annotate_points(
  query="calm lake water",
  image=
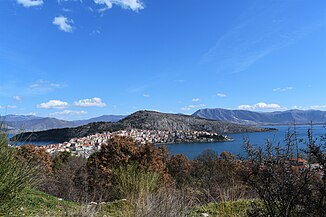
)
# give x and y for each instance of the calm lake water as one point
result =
(27, 142)
(236, 146)
(191, 150)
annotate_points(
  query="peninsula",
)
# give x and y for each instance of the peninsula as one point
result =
(142, 120)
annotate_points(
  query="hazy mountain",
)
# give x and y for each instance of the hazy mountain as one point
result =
(34, 123)
(15, 118)
(148, 120)
(265, 118)
(103, 118)
(39, 124)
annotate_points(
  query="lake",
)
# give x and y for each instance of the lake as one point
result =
(191, 150)
(27, 142)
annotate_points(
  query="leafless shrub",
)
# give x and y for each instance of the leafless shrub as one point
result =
(287, 186)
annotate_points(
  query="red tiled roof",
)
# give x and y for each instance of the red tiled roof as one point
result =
(301, 160)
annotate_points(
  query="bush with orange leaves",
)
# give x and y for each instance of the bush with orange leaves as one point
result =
(36, 157)
(121, 152)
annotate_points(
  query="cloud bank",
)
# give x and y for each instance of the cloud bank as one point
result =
(190, 107)
(259, 106)
(67, 113)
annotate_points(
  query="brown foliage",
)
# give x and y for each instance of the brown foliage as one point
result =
(180, 169)
(120, 152)
(36, 156)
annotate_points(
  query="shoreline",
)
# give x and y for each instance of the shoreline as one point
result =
(176, 143)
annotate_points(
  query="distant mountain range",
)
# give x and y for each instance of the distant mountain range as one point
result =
(146, 120)
(25, 123)
(264, 118)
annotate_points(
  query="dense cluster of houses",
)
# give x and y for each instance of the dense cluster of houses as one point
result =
(85, 146)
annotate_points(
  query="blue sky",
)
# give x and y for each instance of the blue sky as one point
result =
(75, 59)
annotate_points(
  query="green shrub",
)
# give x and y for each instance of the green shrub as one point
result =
(132, 183)
(15, 176)
(238, 208)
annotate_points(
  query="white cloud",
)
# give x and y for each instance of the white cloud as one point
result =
(313, 107)
(95, 102)
(17, 98)
(8, 107)
(67, 10)
(297, 107)
(30, 3)
(318, 107)
(58, 104)
(190, 107)
(134, 5)
(195, 100)
(146, 95)
(282, 89)
(95, 32)
(244, 45)
(63, 23)
(67, 112)
(42, 83)
(43, 86)
(259, 106)
(221, 95)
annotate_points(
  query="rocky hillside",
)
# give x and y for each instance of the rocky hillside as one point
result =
(147, 120)
(150, 120)
(264, 118)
